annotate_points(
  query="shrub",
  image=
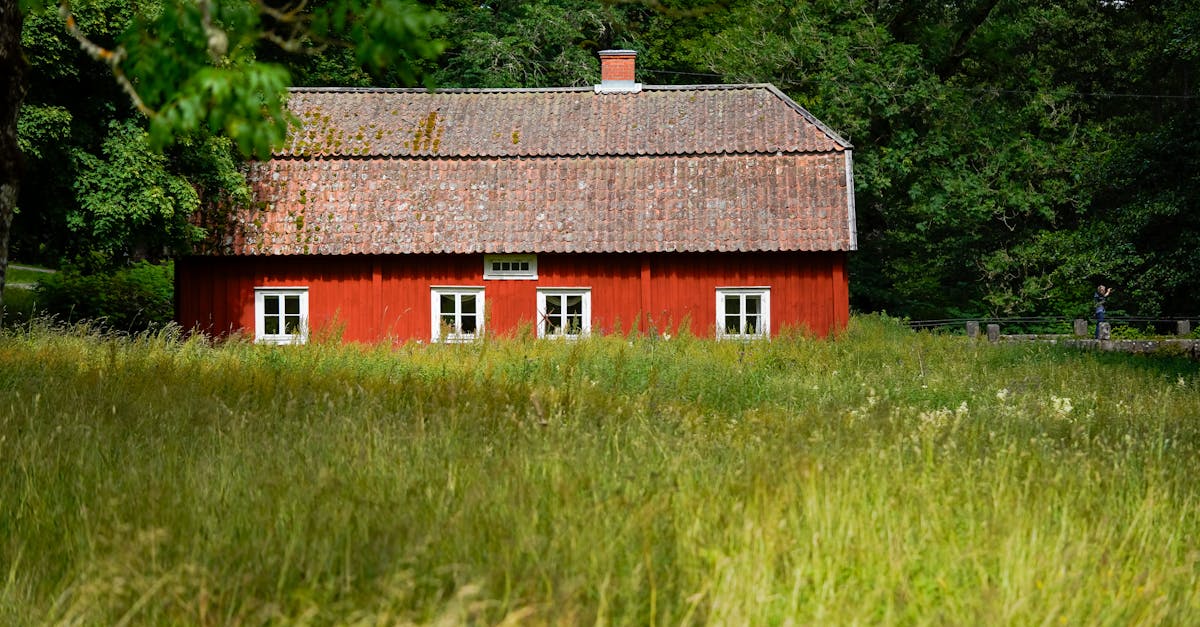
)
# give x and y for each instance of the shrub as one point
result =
(131, 299)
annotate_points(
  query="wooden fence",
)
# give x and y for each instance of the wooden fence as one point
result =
(1172, 334)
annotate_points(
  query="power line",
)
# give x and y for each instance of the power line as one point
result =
(674, 73)
(1088, 94)
(988, 90)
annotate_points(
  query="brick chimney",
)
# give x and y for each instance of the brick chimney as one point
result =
(617, 72)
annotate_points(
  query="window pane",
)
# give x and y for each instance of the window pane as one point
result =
(553, 305)
(574, 325)
(459, 312)
(575, 305)
(271, 305)
(733, 305)
(733, 325)
(752, 303)
(751, 325)
(509, 266)
(291, 324)
(271, 324)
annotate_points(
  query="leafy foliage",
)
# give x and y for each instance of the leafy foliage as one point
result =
(986, 166)
(103, 181)
(130, 204)
(128, 300)
(41, 126)
(191, 66)
(524, 44)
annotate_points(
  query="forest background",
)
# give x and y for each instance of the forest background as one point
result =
(1009, 155)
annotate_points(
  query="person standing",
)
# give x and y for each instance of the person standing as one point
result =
(1098, 298)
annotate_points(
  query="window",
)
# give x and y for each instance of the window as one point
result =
(510, 267)
(281, 315)
(564, 312)
(743, 312)
(457, 313)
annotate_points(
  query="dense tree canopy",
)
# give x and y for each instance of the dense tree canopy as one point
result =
(1009, 155)
(137, 112)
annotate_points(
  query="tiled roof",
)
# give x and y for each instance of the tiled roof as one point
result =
(505, 171)
(552, 122)
(576, 204)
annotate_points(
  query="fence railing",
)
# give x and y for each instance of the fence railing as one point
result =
(1059, 325)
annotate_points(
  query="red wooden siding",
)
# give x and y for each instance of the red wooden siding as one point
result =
(369, 298)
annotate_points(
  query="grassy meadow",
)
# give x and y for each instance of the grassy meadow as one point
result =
(885, 477)
(19, 295)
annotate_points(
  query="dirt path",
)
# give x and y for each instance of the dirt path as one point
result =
(15, 266)
(26, 286)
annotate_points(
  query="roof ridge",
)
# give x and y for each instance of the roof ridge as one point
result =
(531, 156)
(515, 90)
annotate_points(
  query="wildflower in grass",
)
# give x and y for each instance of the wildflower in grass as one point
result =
(1062, 407)
(942, 419)
(1002, 395)
(932, 422)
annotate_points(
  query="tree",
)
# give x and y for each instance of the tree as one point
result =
(12, 93)
(190, 68)
(1009, 155)
(76, 129)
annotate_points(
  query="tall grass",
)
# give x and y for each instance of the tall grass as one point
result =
(885, 477)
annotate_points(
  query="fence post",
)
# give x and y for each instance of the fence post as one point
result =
(1183, 327)
(993, 331)
(1080, 327)
(973, 330)
(1105, 331)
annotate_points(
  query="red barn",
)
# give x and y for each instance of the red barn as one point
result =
(404, 214)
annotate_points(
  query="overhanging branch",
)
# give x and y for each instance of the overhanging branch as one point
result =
(111, 58)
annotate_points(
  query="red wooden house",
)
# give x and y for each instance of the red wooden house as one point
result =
(404, 214)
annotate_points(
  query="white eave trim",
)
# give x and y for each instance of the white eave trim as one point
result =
(838, 139)
(851, 218)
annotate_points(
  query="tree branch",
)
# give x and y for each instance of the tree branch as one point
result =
(282, 15)
(111, 58)
(218, 41)
(290, 18)
(970, 26)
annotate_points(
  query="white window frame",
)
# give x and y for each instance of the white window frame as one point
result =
(260, 315)
(435, 312)
(764, 294)
(562, 292)
(493, 274)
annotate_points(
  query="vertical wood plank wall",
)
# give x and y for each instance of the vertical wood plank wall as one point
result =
(368, 298)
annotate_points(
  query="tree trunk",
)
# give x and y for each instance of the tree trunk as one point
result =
(12, 93)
